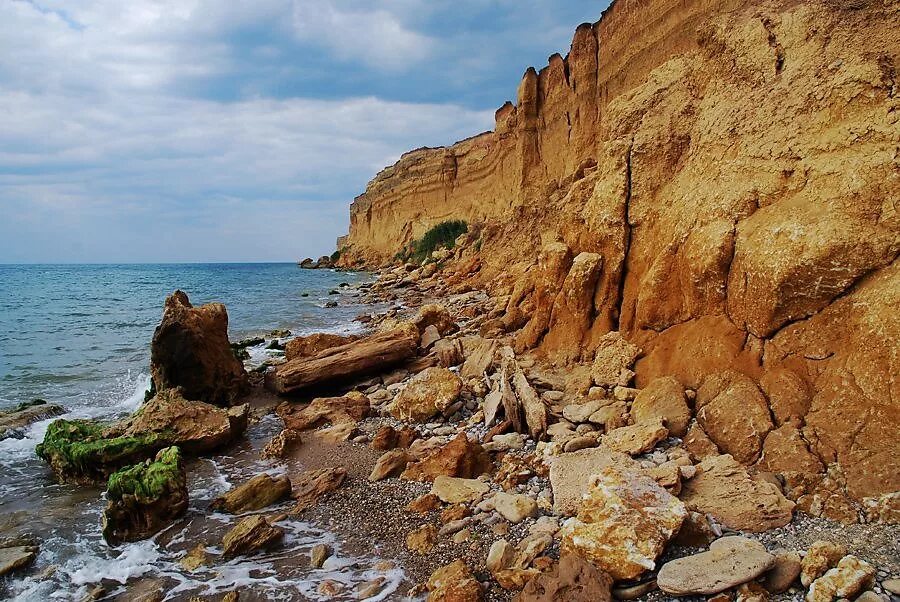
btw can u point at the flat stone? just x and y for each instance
(636, 439)
(453, 490)
(892, 585)
(515, 507)
(257, 493)
(249, 535)
(454, 583)
(579, 443)
(422, 540)
(623, 523)
(729, 562)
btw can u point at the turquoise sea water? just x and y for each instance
(79, 336)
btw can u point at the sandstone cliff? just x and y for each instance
(720, 182)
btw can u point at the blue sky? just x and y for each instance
(233, 130)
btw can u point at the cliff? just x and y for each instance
(717, 180)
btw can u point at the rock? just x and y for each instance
(636, 439)
(195, 558)
(319, 554)
(16, 557)
(724, 489)
(259, 492)
(578, 443)
(424, 504)
(430, 336)
(751, 592)
(734, 414)
(194, 426)
(571, 579)
(515, 507)
(388, 438)
(613, 360)
(281, 445)
(623, 523)
(390, 464)
(314, 344)
(251, 534)
(580, 412)
(892, 585)
(784, 572)
(569, 474)
(375, 353)
(698, 444)
(788, 395)
(785, 451)
(190, 350)
(144, 499)
(427, 393)
(821, 556)
(730, 561)
(454, 583)
(500, 556)
(663, 398)
(334, 411)
(534, 409)
(437, 316)
(313, 484)
(422, 540)
(505, 442)
(850, 577)
(449, 352)
(610, 415)
(459, 458)
(479, 359)
(14, 420)
(452, 490)
(573, 308)
(870, 596)
(633, 592)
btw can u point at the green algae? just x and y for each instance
(78, 451)
(149, 481)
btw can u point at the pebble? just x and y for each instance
(892, 585)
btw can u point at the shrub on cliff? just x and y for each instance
(442, 235)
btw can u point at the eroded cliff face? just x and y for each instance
(719, 181)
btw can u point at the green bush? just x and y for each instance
(441, 235)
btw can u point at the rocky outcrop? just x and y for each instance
(145, 498)
(190, 350)
(15, 420)
(729, 163)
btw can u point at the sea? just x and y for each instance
(79, 336)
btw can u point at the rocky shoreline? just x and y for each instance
(481, 472)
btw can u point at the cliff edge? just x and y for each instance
(719, 182)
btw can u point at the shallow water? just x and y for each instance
(79, 336)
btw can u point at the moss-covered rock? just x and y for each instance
(145, 498)
(82, 452)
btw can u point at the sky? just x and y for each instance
(238, 130)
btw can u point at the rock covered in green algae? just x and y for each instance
(145, 498)
(83, 451)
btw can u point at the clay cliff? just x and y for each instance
(718, 181)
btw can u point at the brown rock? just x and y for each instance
(479, 359)
(850, 577)
(428, 393)
(663, 398)
(730, 561)
(785, 450)
(190, 350)
(724, 489)
(459, 458)
(569, 474)
(553, 264)
(636, 439)
(532, 406)
(452, 490)
(698, 444)
(390, 464)
(314, 344)
(424, 503)
(194, 426)
(16, 557)
(783, 573)
(454, 583)
(571, 579)
(449, 352)
(788, 395)
(573, 308)
(734, 413)
(422, 540)
(14, 420)
(251, 534)
(624, 523)
(319, 554)
(281, 445)
(437, 316)
(195, 558)
(313, 484)
(820, 557)
(613, 361)
(429, 337)
(375, 353)
(259, 492)
(322, 411)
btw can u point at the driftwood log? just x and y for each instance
(372, 354)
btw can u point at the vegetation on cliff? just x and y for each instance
(443, 235)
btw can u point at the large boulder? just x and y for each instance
(613, 361)
(623, 523)
(734, 413)
(429, 392)
(190, 349)
(145, 498)
(730, 561)
(724, 489)
(194, 426)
